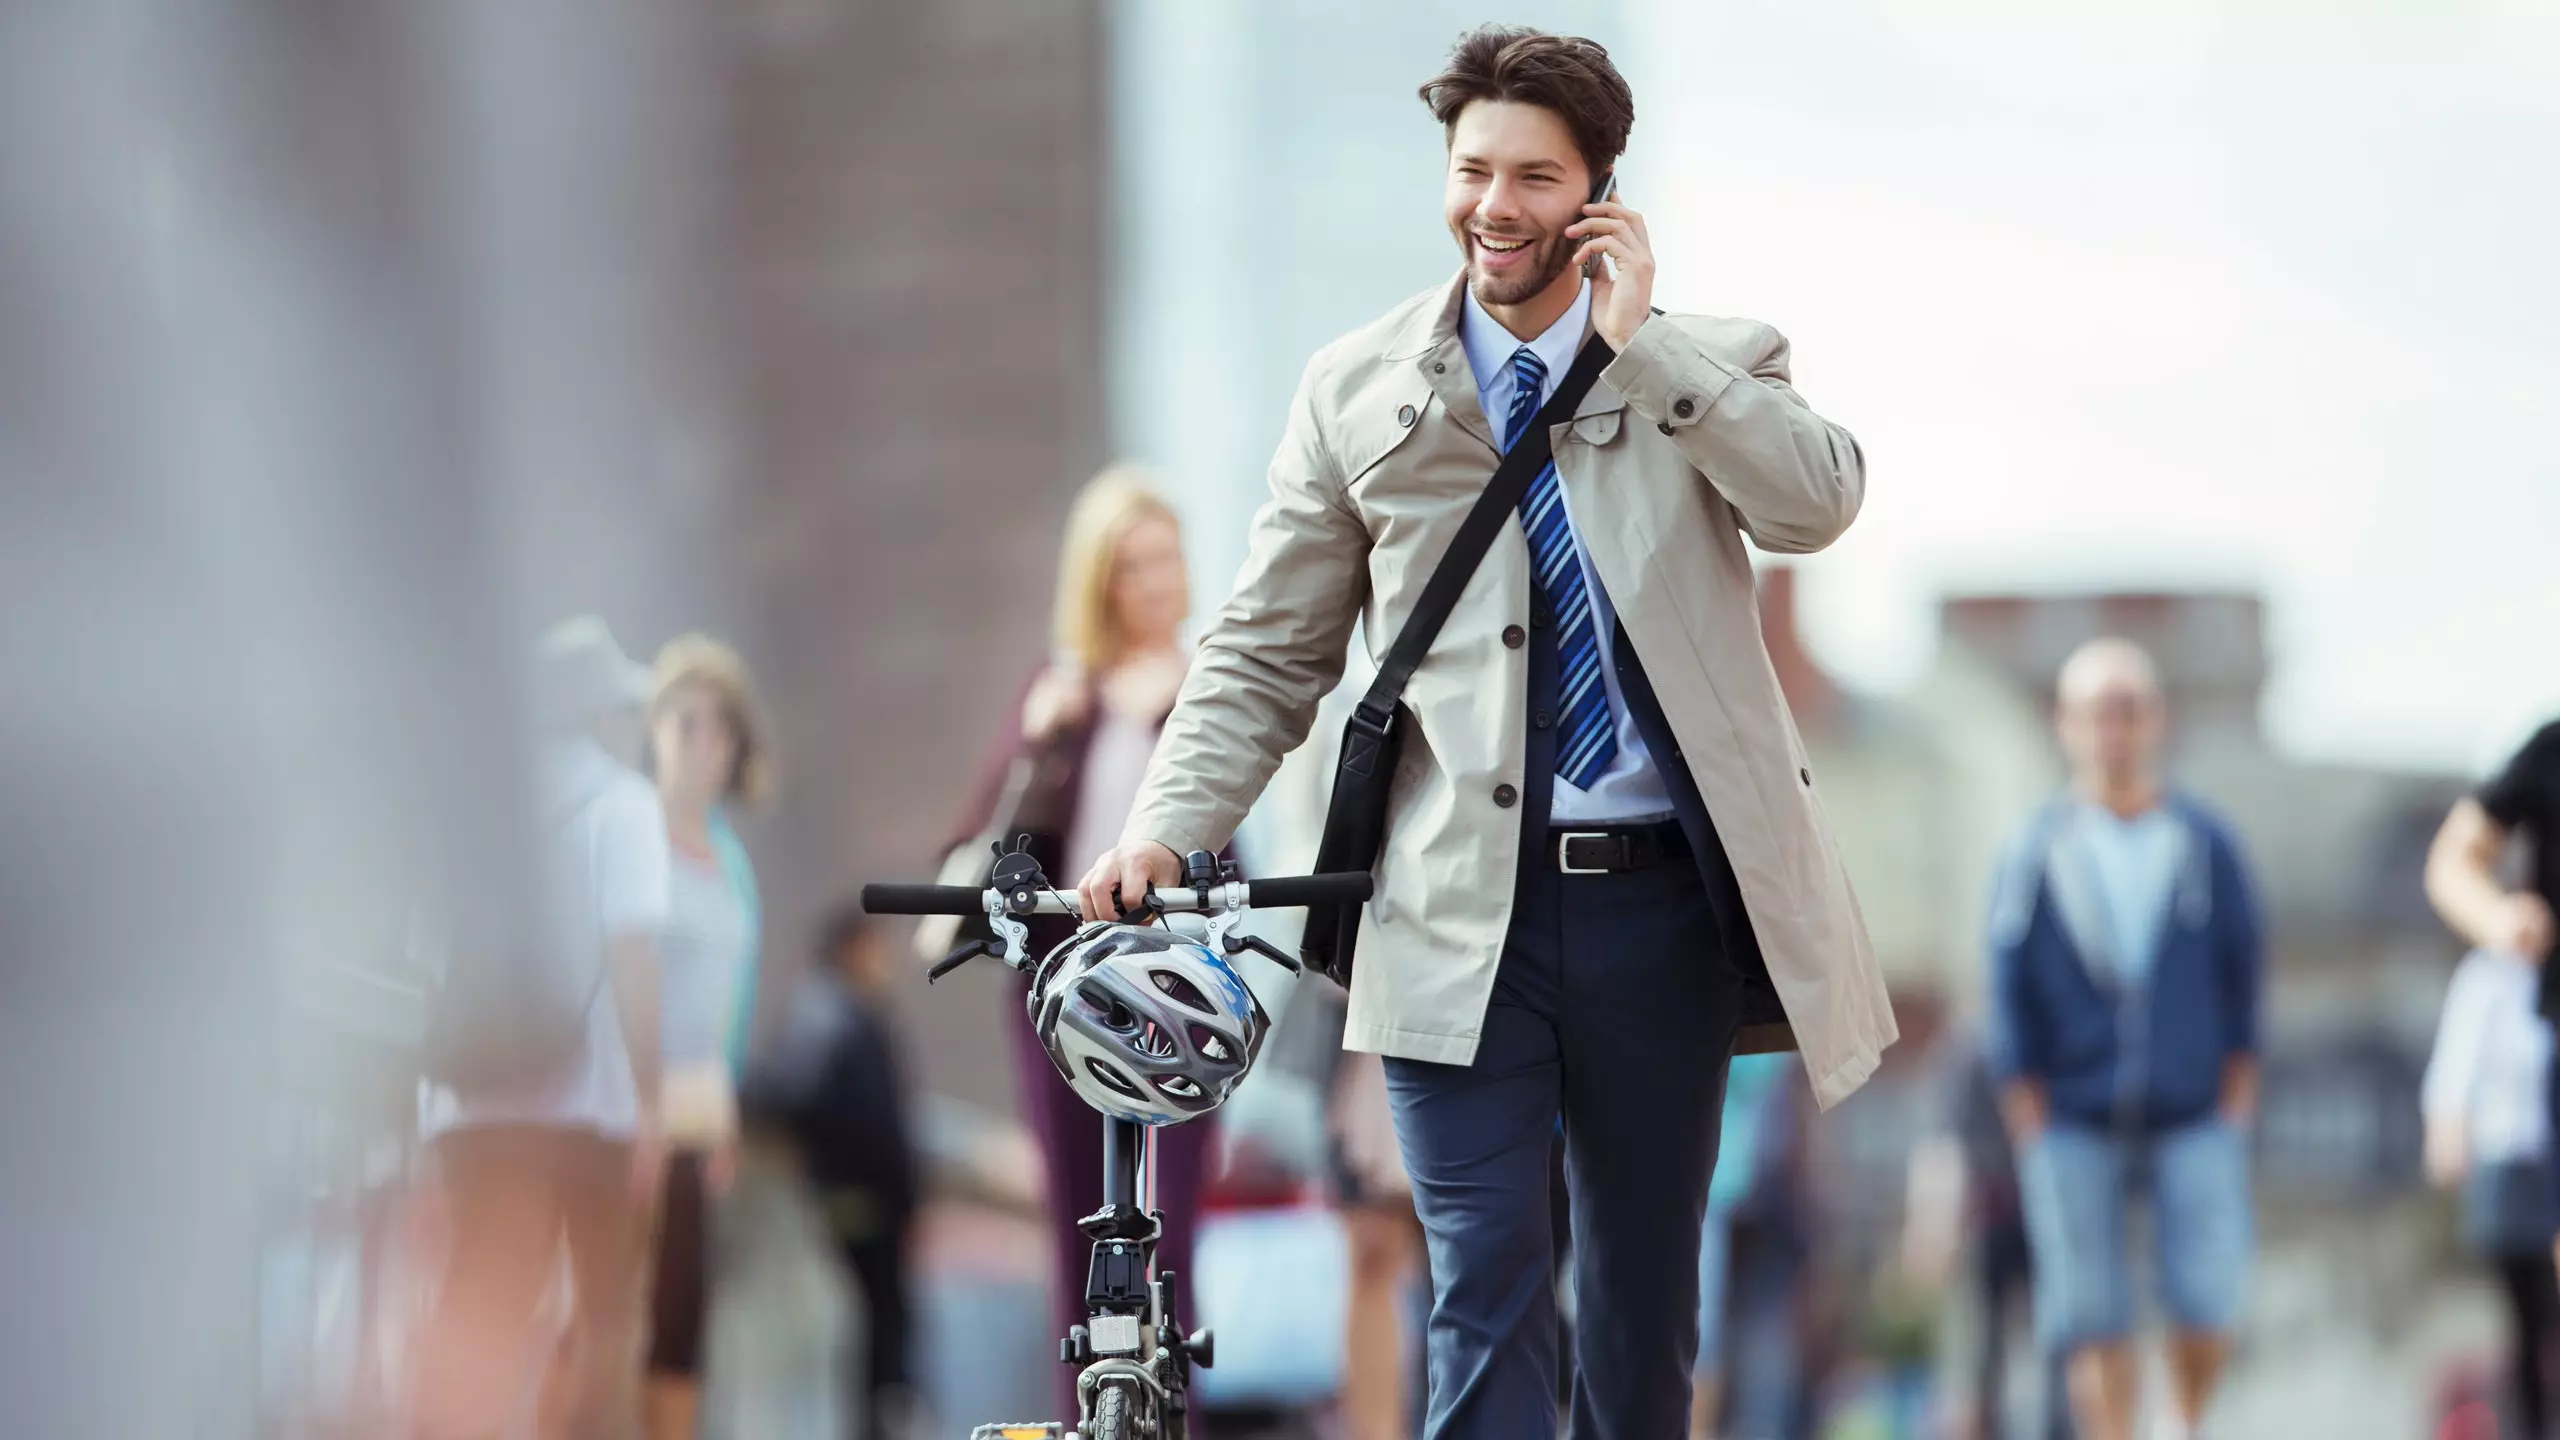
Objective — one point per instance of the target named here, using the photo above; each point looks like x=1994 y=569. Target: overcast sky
x=2147 y=294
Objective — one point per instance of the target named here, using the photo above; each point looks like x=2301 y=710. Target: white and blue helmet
x=1146 y=1025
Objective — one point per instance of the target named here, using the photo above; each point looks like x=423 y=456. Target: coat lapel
x=1430 y=341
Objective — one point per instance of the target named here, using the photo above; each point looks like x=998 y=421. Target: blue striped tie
x=1586 y=737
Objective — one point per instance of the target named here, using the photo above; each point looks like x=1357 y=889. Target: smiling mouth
x=1501 y=246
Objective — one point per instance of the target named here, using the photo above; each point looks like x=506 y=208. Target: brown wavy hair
x=1567 y=74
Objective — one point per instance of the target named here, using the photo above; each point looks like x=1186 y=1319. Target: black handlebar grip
x=923 y=900
x=1348 y=888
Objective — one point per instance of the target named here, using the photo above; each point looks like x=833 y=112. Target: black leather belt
x=1608 y=849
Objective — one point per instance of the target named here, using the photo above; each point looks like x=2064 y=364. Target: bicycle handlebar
x=1283 y=891
x=1288 y=891
x=923 y=900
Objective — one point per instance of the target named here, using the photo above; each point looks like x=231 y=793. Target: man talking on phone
x=1604 y=864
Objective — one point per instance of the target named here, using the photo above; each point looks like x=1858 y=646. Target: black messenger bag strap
x=1355 y=823
x=1493 y=509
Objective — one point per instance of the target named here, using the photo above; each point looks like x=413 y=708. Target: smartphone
x=1601 y=190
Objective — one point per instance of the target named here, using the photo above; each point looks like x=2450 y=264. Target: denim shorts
x=2079 y=1185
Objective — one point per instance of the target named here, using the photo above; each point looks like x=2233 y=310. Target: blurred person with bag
x=835 y=1088
x=707 y=752
x=559 y=1155
x=1599 y=874
x=2488 y=1131
x=2126 y=971
x=2463 y=881
x=1088 y=724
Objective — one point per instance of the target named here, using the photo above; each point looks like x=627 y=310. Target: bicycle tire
x=1111 y=1420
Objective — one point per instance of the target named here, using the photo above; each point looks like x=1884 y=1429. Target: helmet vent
x=1182 y=991
x=1113 y=1015
x=1180 y=1088
x=1112 y=1078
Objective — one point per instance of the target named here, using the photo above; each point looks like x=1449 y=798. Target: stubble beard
x=1549 y=257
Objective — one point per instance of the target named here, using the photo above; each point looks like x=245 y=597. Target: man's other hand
x=2524 y=926
x=2240 y=1091
x=2022 y=1106
x=1128 y=871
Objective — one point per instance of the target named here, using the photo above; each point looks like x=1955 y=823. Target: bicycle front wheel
x=1111 y=1418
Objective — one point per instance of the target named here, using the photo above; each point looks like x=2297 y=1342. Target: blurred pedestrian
x=1962 y=1204
x=835 y=1087
x=565 y=1163
x=1087 y=726
x=2463 y=879
x=2125 y=973
x=1604 y=868
x=707 y=751
x=2488 y=1130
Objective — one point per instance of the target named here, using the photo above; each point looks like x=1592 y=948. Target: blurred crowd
x=611 y=1152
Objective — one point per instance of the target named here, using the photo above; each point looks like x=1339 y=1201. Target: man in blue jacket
x=2125 y=973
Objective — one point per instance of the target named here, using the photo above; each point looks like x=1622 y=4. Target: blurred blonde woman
x=1087 y=728
x=707 y=752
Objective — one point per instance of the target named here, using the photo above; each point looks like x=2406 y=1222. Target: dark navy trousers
x=1614 y=1010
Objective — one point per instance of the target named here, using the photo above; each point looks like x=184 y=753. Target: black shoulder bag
x=1355 y=823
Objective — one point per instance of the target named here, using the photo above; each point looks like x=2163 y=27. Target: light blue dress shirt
x=1632 y=788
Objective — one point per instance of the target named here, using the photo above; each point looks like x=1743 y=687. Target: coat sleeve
x=1275 y=649
x=1795 y=479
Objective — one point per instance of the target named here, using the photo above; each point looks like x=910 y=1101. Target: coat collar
x=1428 y=338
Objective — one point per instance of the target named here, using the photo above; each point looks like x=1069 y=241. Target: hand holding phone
x=1622 y=290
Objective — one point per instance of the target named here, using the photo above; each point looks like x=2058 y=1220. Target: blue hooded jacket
x=2109 y=1053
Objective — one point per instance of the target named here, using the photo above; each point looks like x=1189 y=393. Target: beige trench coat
x=1689 y=441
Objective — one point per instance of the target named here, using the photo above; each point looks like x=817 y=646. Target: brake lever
x=1149 y=910
x=1238 y=944
x=960 y=957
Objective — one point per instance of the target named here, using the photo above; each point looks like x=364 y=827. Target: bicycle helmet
x=1144 y=1024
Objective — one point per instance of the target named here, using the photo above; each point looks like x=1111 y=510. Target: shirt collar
x=1490 y=347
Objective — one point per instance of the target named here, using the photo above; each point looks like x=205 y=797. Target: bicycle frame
x=1131 y=1334
x=1136 y=1361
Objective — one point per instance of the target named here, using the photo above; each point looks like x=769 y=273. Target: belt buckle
x=1564 y=852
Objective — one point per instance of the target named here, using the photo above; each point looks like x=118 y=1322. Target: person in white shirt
x=707 y=750
x=2488 y=1131
x=566 y=1164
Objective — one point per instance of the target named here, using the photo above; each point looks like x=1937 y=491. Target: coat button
x=1542 y=617
x=1684 y=407
x=1542 y=720
x=1514 y=637
x=1505 y=796
x=1664 y=427
x=1805 y=775
x=1404 y=415
x=1439 y=367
